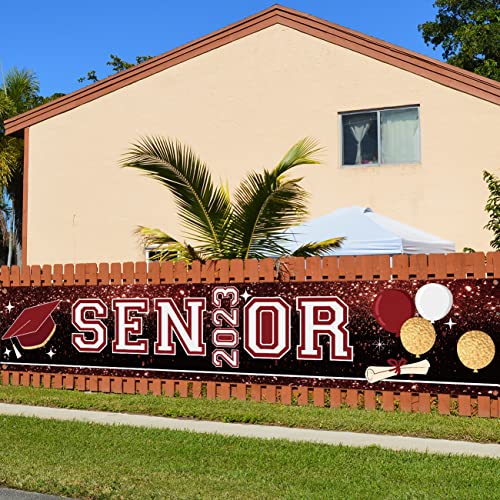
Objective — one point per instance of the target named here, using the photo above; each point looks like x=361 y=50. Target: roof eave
x=426 y=67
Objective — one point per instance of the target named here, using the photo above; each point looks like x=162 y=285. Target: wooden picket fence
x=371 y=267
x=400 y=267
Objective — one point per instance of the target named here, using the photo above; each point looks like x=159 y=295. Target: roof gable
x=442 y=73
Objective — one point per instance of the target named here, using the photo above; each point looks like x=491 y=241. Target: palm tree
x=19 y=92
x=254 y=224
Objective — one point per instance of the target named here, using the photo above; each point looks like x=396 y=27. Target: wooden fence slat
x=15 y=276
x=493 y=264
x=103 y=274
x=36 y=276
x=224 y=391
x=91 y=274
x=370 y=401
x=5 y=276
x=388 y=400
x=444 y=404
x=169 y=388
x=115 y=274
x=352 y=398
x=211 y=390
x=196 y=389
x=364 y=267
x=251 y=270
x=208 y=271
x=424 y=402
x=405 y=401
x=128 y=271
x=167 y=272
x=68 y=274
x=483 y=406
x=418 y=266
x=256 y=392
x=437 y=266
x=295 y=268
x=270 y=393
x=104 y=384
x=236 y=271
x=182 y=388
x=80 y=274
x=286 y=395
x=25 y=277
x=303 y=396
x=154 y=273
x=495 y=408
x=347 y=267
x=180 y=272
x=382 y=267
x=241 y=392
x=194 y=272
x=330 y=268
x=313 y=269
x=222 y=271
x=57 y=275
x=266 y=270
x=335 y=398
x=400 y=267
x=319 y=396
x=464 y=407
x=141 y=273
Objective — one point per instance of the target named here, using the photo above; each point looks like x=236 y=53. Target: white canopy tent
x=368 y=233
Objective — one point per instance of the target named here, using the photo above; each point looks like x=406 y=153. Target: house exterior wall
x=241 y=107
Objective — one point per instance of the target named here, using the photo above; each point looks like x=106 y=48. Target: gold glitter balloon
x=417 y=335
x=475 y=349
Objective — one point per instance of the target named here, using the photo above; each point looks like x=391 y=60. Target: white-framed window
x=151 y=252
x=380 y=136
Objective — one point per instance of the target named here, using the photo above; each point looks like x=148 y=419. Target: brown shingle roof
x=434 y=70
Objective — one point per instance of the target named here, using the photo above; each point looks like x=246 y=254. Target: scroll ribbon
x=397 y=364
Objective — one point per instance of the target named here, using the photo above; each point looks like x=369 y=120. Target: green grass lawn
x=345 y=419
x=94 y=461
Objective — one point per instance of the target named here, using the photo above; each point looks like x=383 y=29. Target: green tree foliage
x=254 y=224
x=468 y=31
x=117 y=64
x=493 y=208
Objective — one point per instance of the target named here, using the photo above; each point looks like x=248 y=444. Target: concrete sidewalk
x=260 y=431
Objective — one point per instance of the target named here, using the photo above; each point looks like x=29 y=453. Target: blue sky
x=63 y=39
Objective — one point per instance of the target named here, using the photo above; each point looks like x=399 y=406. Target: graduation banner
x=442 y=332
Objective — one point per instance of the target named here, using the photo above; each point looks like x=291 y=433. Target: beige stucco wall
x=240 y=107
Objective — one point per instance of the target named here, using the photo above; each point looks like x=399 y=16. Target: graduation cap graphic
x=34 y=327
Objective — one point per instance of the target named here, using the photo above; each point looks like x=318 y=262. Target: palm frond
x=304 y=152
x=153 y=237
x=11 y=160
x=7 y=108
x=314 y=249
x=22 y=87
x=203 y=207
x=165 y=247
x=269 y=203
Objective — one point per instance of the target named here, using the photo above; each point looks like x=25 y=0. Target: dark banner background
x=475 y=308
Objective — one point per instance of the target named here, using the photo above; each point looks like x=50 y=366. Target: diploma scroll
x=376 y=373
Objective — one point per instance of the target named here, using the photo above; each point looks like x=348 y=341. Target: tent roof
x=369 y=233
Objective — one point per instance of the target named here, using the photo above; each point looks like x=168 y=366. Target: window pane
x=399 y=131
x=360 y=143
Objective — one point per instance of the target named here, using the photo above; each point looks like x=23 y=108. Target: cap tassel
x=16 y=351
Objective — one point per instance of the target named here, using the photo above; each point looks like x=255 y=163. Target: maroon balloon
x=392 y=308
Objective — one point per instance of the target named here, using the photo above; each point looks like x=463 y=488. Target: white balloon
x=433 y=301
